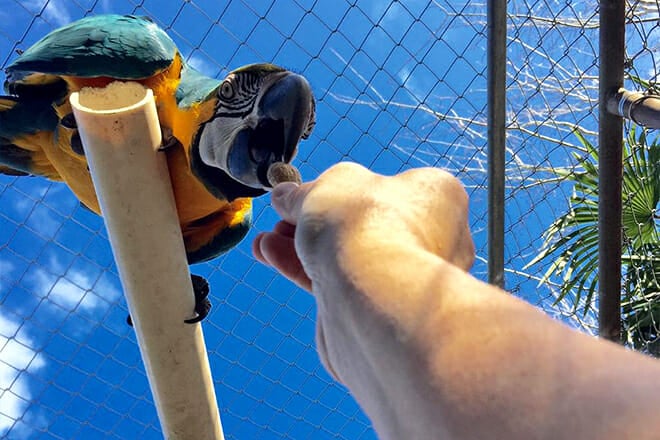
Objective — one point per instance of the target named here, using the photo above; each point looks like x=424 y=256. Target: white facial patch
x=218 y=136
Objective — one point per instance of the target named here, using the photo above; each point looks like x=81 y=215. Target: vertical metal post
x=610 y=140
x=496 y=138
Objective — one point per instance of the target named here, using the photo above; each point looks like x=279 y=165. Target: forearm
x=427 y=350
x=442 y=353
x=520 y=374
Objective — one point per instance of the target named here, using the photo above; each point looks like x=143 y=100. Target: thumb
x=287 y=199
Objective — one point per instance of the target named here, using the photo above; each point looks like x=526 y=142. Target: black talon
x=168 y=140
x=168 y=143
x=202 y=303
x=69 y=121
x=85 y=207
x=76 y=144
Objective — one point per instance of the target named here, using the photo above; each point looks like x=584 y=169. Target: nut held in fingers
x=283 y=172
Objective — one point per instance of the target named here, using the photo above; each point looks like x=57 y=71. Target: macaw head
x=262 y=113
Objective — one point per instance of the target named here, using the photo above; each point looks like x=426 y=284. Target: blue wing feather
x=116 y=46
x=194 y=87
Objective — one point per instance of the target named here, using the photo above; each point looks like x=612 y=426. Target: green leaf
x=570 y=243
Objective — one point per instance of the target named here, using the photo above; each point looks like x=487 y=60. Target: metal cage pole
x=496 y=138
x=641 y=108
x=610 y=144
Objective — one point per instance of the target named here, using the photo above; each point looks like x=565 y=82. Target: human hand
x=350 y=207
x=420 y=344
x=373 y=251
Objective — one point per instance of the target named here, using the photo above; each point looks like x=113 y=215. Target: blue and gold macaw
x=220 y=137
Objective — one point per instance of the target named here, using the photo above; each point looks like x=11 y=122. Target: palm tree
x=571 y=241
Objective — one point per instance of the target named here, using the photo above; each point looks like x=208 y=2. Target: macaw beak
x=285 y=113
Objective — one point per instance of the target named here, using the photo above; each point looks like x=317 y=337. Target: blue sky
x=398 y=85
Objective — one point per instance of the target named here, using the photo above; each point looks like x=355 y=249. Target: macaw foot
x=169 y=140
x=202 y=303
x=69 y=122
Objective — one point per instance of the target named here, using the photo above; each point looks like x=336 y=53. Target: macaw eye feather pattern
x=245 y=89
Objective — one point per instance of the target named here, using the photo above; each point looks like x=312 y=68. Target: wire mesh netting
x=398 y=84
x=641 y=188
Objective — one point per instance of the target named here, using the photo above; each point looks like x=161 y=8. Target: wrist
x=401 y=281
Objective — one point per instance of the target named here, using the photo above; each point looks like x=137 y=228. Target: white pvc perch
x=120 y=132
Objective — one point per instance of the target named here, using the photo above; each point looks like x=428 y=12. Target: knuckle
x=345 y=171
x=433 y=179
x=454 y=188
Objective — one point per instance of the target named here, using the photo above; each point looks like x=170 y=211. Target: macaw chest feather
x=192 y=199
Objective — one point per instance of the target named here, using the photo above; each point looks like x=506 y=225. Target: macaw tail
x=14 y=161
x=25 y=127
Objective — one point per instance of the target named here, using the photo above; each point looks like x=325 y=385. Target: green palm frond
x=571 y=241
x=641 y=302
x=648 y=86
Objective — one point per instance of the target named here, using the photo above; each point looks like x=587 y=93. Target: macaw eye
x=227 y=90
